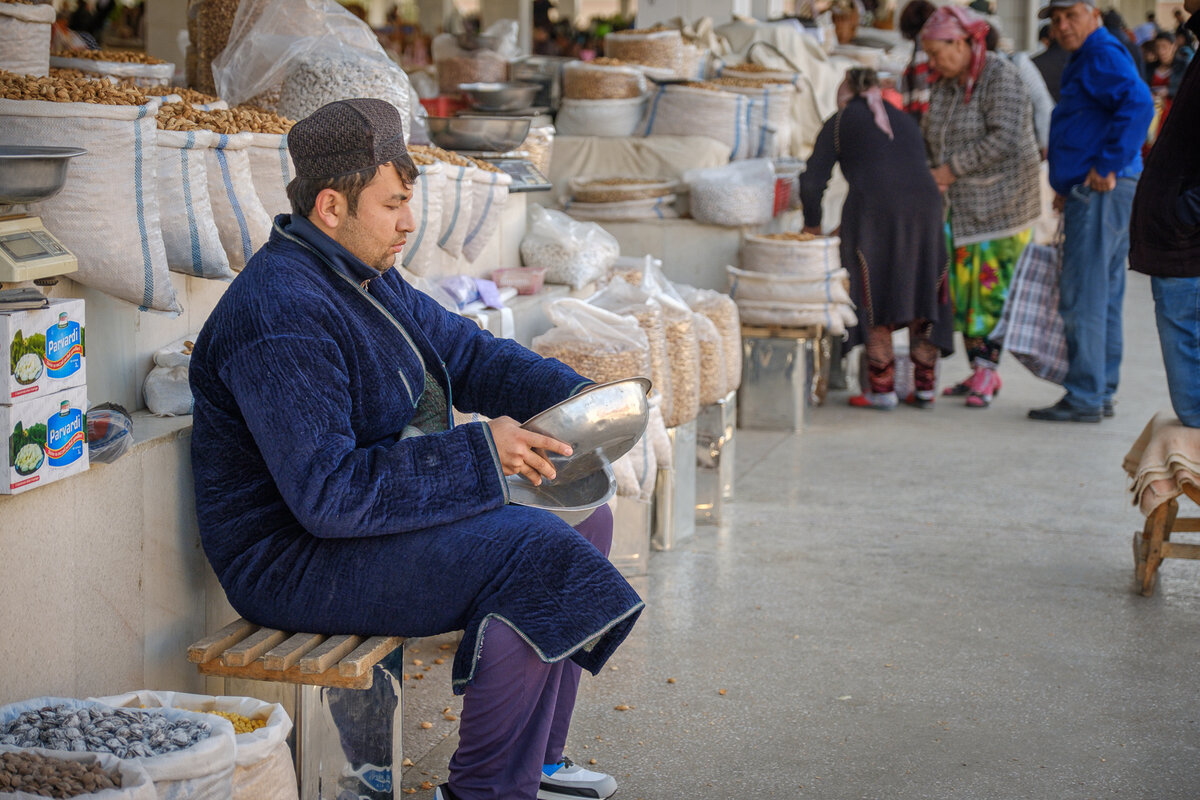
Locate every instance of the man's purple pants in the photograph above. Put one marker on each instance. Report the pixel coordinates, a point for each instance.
(517, 711)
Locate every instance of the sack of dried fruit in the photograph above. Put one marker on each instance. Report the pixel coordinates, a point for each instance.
(25, 38)
(271, 170)
(262, 760)
(723, 312)
(602, 79)
(736, 194)
(107, 212)
(598, 344)
(575, 253)
(654, 47)
(621, 297)
(30, 773)
(242, 221)
(421, 254)
(610, 118)
(490, 189)
(189, 231)
(801, 255)
(188, 756)
(123, 65)
(687, 109)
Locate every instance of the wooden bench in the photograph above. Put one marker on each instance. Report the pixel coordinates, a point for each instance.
(1153, 543)
(309, 661)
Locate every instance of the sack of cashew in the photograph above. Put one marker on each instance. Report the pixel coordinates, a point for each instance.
(188, 228)
(25, 38)
(107, 213)
(31, 773)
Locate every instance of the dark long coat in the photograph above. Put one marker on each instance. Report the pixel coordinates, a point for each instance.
(893, 240)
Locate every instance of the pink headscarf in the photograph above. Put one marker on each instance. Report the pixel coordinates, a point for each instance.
(952, 22)
(874, 98)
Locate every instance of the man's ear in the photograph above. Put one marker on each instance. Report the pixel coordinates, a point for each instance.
(330, 207)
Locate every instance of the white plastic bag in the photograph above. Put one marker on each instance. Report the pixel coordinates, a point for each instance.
(712, 360)
(456, 65)
(490, 191)
(321, 50)
(574, 253)
(139, 74)
(189, 231)
(723, 312)
(241, 220)
(203, 771)
(25, 38)
(271, 170)
(596, 343)
(621, 297)
(263, 762)
(742, 193)
(166, 390)
(611, 118)
(135, 783)
(107, 212)
(421, 253)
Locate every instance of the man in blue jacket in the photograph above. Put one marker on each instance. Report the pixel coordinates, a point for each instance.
(335, 494)
(1096, 136)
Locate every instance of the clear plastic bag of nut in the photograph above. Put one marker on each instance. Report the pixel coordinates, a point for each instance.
(27, 773)
(598, 344)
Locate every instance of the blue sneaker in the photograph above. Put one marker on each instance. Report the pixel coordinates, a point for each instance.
(367, 782)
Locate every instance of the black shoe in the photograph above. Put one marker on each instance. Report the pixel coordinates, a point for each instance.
(1061, 412)
(1108, 408)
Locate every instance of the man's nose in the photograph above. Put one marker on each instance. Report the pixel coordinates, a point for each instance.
(407, 221)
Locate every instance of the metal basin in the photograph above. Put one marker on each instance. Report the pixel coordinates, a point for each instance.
(601, 423)
(484, 134)
(571, 502)
(30, 173)
(500, 96)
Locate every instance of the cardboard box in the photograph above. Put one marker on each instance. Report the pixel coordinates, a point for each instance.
(45, 439)
(42, 351)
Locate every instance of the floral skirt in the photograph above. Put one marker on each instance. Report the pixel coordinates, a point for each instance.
(979, 280)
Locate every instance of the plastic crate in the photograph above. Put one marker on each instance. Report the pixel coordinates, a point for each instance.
(526, 280)
(443, 105)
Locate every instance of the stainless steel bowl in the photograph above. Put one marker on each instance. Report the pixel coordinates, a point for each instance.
(571, 502)
(601, 423)
(30, 173)
(484, 134)
(500, 96)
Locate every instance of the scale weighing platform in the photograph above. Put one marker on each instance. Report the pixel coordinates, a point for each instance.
(525, 176)
(27, 250)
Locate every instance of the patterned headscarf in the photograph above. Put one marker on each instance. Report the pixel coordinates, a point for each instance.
(874, 98)
(955, 22)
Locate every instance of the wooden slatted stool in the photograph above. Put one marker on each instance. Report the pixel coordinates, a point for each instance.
(1153, 544)
(309, 661)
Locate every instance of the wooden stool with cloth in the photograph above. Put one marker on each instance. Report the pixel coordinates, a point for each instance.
(1163, 463)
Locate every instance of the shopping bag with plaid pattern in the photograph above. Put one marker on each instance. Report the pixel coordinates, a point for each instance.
(1031, 327)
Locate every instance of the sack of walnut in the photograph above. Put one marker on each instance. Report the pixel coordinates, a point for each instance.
(189, 231)
(29, 773)
(623, 298)
(25, 38)
(598, 344)
(421, 254)
(242, 221)
(652, 47)
(137, 68)
(722, 311)
(107, 212)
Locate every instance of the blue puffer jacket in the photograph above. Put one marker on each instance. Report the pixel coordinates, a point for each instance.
(1103, 114)
(314, 512)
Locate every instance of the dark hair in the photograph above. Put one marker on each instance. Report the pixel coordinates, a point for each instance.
(914, 16)
(992, 39)
(302, 192)
(1113, 20)
(1044, 32)
(1165, 36)
(860, 79)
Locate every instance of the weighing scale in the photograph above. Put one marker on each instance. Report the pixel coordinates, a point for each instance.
(29, 174)
(525, 176)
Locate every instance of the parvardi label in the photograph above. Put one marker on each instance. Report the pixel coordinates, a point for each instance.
(46, 439)
(43, 350)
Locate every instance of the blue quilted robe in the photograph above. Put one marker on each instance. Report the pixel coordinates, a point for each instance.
(317, 516)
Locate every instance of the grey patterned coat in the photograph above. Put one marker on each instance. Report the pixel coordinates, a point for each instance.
(990, 147)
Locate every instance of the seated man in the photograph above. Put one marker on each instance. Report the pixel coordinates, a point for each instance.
(335, 494)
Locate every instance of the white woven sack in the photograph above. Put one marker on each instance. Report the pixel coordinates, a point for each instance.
(654, 49)
(491, 194)
(263, 767)
(770, 124)
(648, 208)
(271, 170)
(812, 259)
(610, 118)
(219, 105)
(140, 74)
(242, 221)
(584, 80)
(107, 212)
(25, 38)
(835, 318)
(203, 771)
(135, 783)
(458, 198)
(805, 117)
(421, 255)
(188, 229)
(746, 285)
(677, 110)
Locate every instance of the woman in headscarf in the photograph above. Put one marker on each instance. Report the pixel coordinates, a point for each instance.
(892, 242)
(979, 133)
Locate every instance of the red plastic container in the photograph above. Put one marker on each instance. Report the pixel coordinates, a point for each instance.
(526, 280)
(443, 105)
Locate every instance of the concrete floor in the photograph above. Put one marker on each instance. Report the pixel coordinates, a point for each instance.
(910, 605)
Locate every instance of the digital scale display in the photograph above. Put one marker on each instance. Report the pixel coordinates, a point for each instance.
(29, 246)
(525, 176)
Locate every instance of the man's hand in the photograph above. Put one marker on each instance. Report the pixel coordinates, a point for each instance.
(815, 230)
(1098, 183)
(515, 446)
(943, 176)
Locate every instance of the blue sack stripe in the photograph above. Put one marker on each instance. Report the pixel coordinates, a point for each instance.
(247, 250)
(139, 197)
(457, 208)
(416, 245)
(486, 208)
(193, 231)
